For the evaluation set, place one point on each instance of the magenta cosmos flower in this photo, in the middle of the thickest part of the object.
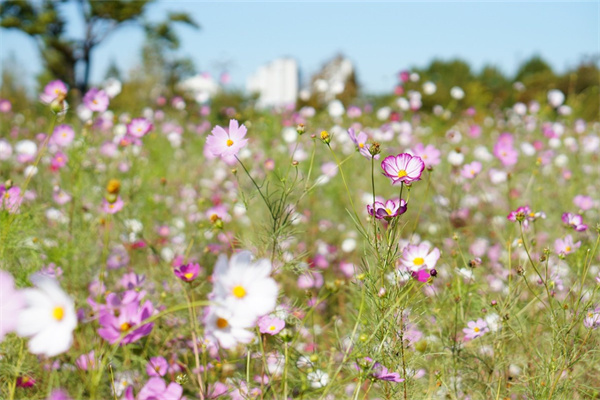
(157, 366)
(475, 329)
(130, 316)
(388, 210)
(187, 272)
(403, 168)
(224, 143)
(575, 221)
(96, 100)
(53, 90)
(139, 127)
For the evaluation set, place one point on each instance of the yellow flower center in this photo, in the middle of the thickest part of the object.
(64, 134)
(239, 292)
(387, 210)
(402, 173)
(532, 214)
(188, 275)
(272, 328)
(95, 101)
(361, 145)
(125, 327)
(222, 323)
(568, 248)
(229, 142)
(476, 329)
(59, 159)
(58, 313)
(419, 261)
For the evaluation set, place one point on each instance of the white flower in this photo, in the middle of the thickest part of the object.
(457, 93)
(227, 329)
(429, 88)
(49, 318)
(318, 379)
(556, 98)
(243, 286)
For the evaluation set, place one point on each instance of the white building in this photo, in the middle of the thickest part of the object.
(203, 87)
(276, 83)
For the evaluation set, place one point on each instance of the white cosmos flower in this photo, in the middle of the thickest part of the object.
(243, 286)
(318, 379)
(48, 319)
(227, 329)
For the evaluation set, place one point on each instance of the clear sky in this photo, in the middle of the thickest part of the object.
(380, 38)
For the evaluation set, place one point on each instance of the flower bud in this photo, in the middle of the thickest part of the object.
(325, 137)
(113, 186)
(300, 129)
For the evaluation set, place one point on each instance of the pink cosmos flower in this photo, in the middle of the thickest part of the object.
(566, 245)
(380, 372)
(5, 106)
(475, 329)
(25, 381)
(270, 325)
(59, 160)
(63, 135)
(60, 196)
(403, 168)
(418, 257)
(139, 127)
(86, 362)
(506, 153)
(156, 389)
(592, 319)
(575, 221)
(359, 140)
(429, 154)
(12, 302)
(471, 170)
(52, 91)
(129, 316)
(11, 199)
(157, 366)
(114, 207)
(187, 272)
(583, 202)
(388, 210)
(223, 143)
(96, 100)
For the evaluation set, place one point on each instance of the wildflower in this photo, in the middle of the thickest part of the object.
(157, 366)
(227, 329)
(574, 221)
(49, 317)
(429, 154)
(504, 151)
(10, 199)
(270, 325)
(59, 394)
(226, 144)
(117, 258)
(592, 319)
(555, 98)
(422, 275)
(25, 381)
(380, 372)
(58, 161)
(471, 170)
(156, 388)
(187, 272)
(139, 127)
(96, 100)
(11, 303)
(62, 135)
(5, 106)
(583, 202)
(359, 140)
(388, 210)
(475, 329)
(403, 168)
(86, 362)
(114, 207)
(566, 245)
(325, 137)
(417, 257)
(129, 316)
(55, 90)
(318, 379)
(245, 286)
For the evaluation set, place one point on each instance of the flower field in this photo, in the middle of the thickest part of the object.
(164, 249)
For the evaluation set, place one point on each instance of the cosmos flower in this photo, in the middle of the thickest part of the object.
(157, 366)
(129, 316)
(429, 154)
(59, 160)
(403, 168)
(388, 210)
(270, 325)
(227, 329)
(359, 140)
(583, 202)
(475, 329)
(139, 127)
(157, 389)
(48, 319)
(187, 272)
(114, 207)
(96, 100)
(244, 286)
(566, 245)
(12, 303)
(471, 170)
(318, 379)
(62, 135)
(422, 256)
(10, 199)
(224, 143)
(53, 90)
(574, 221)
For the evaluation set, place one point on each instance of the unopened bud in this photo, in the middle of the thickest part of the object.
(113, 186)
(300, 129)
(325, 137)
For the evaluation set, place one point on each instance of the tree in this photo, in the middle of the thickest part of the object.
(60, 54)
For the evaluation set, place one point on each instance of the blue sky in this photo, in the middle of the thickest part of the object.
(380, 38)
